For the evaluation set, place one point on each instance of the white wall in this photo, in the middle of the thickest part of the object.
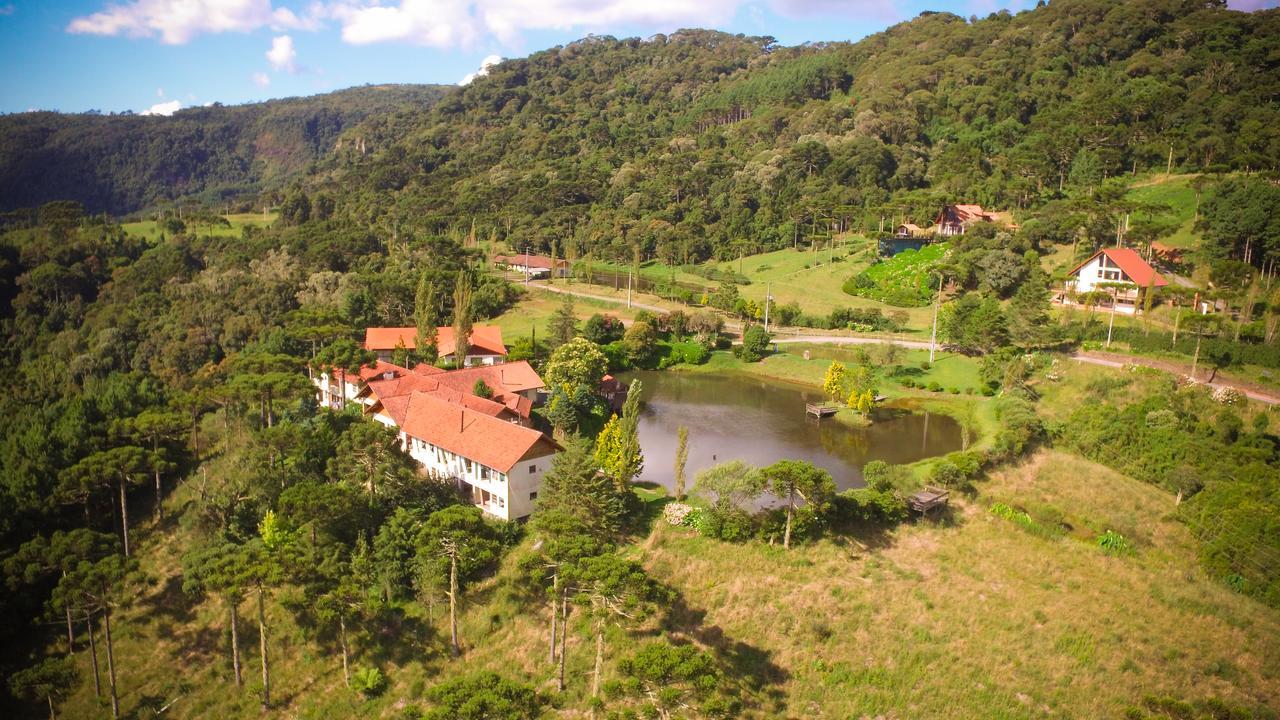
(1087, 277)
(514, 490)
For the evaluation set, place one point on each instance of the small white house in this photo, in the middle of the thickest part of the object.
(1120, 273)
(534, 265)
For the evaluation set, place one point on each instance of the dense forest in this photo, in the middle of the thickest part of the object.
(122, 164)
(700, 144)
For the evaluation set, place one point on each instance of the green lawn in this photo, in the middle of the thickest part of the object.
(150, 229)
(1179, 197)
(532, 313)
(812, 280)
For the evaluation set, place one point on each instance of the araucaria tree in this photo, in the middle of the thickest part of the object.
(458, 544)
(789, 479)
(120, 466)
(613, 590)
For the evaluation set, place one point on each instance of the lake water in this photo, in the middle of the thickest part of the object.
(737, 417)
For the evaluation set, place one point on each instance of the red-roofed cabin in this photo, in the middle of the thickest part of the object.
(1118, 273)
(955, 219)
(533, 265)
(486, 347)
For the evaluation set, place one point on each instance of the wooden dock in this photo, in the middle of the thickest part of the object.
(928, 499)
(820, 410)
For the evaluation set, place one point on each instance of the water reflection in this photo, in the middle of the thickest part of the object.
(736, 417)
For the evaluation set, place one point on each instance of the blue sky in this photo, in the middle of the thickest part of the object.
(160, 55)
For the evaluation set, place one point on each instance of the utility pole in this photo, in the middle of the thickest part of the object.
(933, 338)
(1112, 324)
(526, 265)
(628, 288)
(768, 295)
(1168, 168)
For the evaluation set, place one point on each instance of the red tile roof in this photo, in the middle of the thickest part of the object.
(479, 437)
(516, 377)
(1131, 264)
(534, 261)
(485, 339)
(502, 405)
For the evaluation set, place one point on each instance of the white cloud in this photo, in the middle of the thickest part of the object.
(447, 23)
(159, 92)
(164, 108)
(175, 21)
(485, 64)
(261, 79)
(282, 56)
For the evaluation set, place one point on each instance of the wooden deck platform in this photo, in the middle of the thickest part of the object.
(820, 410)
(928, 499)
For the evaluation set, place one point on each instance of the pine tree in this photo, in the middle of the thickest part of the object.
(426, 315)
(462, 318)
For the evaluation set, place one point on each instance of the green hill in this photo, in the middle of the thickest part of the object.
(125, 163)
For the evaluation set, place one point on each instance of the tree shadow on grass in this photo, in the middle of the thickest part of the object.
(398, 638)
(750, 669)
(168, 601)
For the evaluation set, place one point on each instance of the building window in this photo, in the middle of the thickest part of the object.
(533, 469)
(468, 465)
(484, 473)
(533, 496)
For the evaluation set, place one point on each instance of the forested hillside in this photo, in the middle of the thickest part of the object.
(125, 163)
(701, 144)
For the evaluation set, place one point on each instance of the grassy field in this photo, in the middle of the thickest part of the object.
(537, 308)
(813, 280)
(150, 229)
(976, 618)
(1180, 200)
(972, 616)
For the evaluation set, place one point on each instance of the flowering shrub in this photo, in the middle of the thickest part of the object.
(677, 513)
(1228, 396)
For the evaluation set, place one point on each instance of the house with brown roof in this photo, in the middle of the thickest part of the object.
(956, 219)
(908, 230)
(533, 265)
(1111, 275)
(485, 345)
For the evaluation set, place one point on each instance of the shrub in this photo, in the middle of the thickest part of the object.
(728, 524)
(1114, 543)
(369, 681)
(676, 513)
(934, 386)
(869, 505)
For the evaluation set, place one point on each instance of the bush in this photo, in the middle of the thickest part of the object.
(755, 343)
(689, 353)
(934, 386)
(956, 470)
(868, 505)
(728, 524)
(1114, 543)
(369, 681)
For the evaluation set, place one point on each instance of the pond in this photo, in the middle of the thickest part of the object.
(737, 417)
